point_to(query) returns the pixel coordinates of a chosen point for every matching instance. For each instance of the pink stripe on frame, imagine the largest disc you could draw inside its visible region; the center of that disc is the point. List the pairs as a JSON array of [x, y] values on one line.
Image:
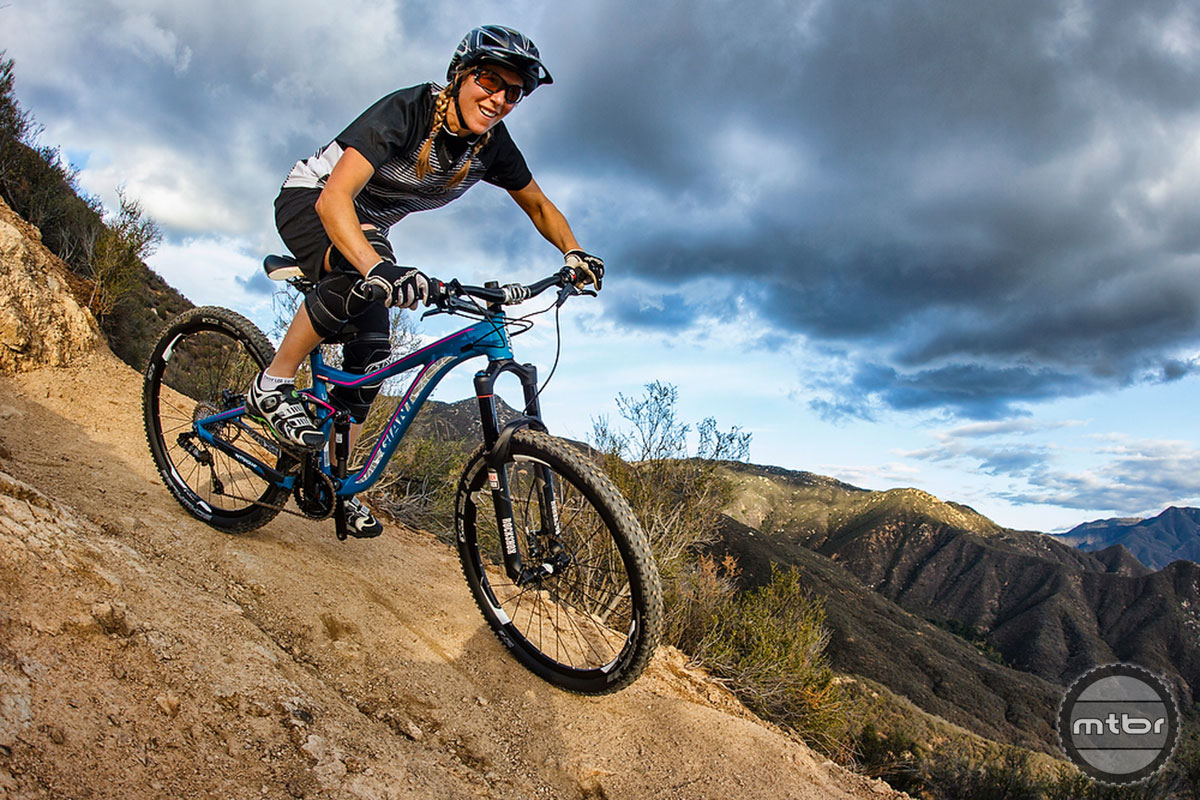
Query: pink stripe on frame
[[389, 366]]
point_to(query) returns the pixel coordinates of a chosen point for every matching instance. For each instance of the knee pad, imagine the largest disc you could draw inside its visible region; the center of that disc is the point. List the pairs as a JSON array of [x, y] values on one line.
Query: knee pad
[[334, 301], [365, 352]]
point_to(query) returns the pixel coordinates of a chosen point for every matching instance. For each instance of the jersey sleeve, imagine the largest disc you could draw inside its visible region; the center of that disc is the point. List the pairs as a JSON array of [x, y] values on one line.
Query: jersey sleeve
[[507, 168], [391, 127]]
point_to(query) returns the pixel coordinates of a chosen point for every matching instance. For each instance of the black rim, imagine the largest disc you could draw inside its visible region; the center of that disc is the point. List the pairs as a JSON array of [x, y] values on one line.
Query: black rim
[[584, 621], [201, 371]]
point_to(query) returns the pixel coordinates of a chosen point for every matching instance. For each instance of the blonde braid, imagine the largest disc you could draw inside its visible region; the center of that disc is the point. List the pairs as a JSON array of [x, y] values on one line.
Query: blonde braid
[[461, 175], [440, 107]]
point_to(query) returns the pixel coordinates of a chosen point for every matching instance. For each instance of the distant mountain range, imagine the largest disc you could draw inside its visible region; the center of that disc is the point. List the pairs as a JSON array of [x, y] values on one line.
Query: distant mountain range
[[1156, 542], [920, 592]]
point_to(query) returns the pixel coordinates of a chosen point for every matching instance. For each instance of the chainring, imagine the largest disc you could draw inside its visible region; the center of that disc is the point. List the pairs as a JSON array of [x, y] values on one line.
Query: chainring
[[318, 504]]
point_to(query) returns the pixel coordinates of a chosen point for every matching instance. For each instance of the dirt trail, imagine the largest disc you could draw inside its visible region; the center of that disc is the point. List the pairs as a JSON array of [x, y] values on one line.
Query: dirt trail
[[143, 654]]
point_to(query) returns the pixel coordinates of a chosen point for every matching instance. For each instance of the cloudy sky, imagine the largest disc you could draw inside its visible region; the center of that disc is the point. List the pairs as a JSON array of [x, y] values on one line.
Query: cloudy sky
[[948, 244]]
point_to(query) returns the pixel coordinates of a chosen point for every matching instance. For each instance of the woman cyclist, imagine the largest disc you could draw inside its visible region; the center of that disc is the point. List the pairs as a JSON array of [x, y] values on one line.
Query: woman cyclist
[[415, 149]]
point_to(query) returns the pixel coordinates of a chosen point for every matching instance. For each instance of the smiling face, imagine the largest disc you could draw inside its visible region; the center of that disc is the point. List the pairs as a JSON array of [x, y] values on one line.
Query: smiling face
[[480, 108]]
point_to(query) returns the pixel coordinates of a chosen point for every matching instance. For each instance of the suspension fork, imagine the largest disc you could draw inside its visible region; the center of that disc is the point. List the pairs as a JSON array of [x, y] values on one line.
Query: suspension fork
[[497, 441]]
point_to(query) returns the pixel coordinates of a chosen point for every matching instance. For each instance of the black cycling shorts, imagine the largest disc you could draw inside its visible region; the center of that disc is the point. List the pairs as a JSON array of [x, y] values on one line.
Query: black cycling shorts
[[337, 313]]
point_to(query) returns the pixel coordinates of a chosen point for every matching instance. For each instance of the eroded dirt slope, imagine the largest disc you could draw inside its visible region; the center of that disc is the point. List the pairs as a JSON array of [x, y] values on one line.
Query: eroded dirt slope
[[143, 654]]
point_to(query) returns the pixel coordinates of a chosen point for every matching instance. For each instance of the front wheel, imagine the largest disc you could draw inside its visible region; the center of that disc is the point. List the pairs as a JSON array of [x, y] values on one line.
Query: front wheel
[[586, 613], [201, 367]]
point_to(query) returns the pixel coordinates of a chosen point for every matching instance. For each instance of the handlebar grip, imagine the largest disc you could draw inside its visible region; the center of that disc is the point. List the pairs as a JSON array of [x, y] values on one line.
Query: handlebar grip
[[437, 290], [375, 292]]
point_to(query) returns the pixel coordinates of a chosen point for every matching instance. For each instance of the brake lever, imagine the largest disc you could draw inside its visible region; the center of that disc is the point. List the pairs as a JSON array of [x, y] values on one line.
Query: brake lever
[[569, 290]]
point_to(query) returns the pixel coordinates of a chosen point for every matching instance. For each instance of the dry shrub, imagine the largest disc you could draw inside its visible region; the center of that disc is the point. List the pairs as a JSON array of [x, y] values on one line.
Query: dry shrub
[[704, 593], [420, 482], [676, 498], [770, 650]]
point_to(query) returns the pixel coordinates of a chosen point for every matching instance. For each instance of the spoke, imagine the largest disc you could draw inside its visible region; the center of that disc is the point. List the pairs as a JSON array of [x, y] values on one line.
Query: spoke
[[204, 364], [581, 637], [567, 616], [184, 414]]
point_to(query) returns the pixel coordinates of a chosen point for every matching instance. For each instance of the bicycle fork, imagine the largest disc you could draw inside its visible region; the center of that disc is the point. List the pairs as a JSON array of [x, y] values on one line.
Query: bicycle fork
[[543, 545]]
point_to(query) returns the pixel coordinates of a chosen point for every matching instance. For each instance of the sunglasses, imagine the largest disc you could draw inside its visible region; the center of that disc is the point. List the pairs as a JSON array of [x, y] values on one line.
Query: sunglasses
[[492, 83]]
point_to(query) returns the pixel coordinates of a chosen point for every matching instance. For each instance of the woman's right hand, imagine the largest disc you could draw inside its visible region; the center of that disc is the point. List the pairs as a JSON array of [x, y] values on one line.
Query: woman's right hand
[[402, 287]]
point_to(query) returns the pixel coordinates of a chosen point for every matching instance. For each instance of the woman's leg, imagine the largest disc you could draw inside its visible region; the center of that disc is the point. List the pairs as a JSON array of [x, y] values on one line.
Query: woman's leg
[[300, 340]]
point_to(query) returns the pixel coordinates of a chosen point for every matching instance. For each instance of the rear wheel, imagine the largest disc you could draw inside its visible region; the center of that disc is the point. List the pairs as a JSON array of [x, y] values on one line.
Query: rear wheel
[[202, 366], [586, 613]]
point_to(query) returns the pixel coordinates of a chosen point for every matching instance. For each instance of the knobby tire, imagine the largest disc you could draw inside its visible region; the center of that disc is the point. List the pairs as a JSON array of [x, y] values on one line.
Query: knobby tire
[[592, 627], [202, 364]]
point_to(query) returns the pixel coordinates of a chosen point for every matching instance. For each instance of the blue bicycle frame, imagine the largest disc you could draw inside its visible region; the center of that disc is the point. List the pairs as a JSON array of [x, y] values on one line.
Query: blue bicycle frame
[[488, 338]]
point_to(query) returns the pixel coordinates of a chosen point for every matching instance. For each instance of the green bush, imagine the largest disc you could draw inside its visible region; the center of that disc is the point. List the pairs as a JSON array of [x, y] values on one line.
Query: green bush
[[894, 756], [955, 774], [1185, 765], [770, 650]]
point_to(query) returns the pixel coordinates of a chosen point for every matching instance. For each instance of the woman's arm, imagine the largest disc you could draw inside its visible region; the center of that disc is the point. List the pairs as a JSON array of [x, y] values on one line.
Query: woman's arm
[[545, 216], [335, 207]]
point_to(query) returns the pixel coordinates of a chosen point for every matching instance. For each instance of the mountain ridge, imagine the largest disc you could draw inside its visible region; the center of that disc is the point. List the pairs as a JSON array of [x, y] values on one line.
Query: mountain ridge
[[1048, 609], [1156, 541]]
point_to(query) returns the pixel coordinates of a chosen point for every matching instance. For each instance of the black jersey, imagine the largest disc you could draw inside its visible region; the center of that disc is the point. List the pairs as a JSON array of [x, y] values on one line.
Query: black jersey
[[389, 135]]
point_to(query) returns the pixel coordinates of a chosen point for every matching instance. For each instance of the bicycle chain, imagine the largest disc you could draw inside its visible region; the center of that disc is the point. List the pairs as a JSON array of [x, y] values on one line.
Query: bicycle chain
[[271, 506], [327, 486]]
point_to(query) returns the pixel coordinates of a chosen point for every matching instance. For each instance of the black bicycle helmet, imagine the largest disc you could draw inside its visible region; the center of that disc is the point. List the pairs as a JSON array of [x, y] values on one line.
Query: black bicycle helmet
[[504, 46]]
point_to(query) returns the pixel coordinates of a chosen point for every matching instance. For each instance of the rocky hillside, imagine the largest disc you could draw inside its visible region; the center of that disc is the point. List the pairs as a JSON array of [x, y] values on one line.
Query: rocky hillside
[[1156, 542], [40, 321], [143, 654]]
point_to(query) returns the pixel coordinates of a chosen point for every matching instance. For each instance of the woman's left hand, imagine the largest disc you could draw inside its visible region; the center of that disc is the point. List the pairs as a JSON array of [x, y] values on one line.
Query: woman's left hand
[[590, 269]]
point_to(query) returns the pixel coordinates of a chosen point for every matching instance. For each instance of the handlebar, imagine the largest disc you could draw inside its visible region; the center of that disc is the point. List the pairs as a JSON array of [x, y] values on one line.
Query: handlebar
[[448, 296]]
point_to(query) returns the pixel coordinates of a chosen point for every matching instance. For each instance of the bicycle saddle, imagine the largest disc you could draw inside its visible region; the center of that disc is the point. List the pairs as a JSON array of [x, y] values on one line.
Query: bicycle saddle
[[281, 268]]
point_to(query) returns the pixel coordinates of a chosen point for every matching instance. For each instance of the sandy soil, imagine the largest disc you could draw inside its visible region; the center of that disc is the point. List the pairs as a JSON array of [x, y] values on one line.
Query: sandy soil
[[144, 654]]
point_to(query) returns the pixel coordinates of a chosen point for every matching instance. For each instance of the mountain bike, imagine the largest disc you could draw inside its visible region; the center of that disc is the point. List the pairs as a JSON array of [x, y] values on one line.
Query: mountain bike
[[552, 552]]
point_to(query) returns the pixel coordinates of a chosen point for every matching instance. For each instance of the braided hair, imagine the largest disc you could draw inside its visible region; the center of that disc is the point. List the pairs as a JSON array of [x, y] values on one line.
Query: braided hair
[[441, 106]]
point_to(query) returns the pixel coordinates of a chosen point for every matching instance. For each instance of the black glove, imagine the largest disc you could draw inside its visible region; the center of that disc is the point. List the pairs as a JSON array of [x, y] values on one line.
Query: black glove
[[590, 269], [404, 287]]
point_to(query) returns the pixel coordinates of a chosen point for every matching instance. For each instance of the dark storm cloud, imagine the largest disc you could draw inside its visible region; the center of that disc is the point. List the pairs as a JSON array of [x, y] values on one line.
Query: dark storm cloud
[[971, 390], [983, 205], [668, 312], [992, 203]]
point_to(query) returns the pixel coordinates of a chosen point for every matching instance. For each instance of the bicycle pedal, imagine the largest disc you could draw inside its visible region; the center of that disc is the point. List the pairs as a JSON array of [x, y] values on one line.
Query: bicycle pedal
[[344, 529]]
